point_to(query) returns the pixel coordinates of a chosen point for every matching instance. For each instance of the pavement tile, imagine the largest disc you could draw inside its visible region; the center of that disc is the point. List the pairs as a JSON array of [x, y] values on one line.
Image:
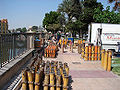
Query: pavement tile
[[87, 75]]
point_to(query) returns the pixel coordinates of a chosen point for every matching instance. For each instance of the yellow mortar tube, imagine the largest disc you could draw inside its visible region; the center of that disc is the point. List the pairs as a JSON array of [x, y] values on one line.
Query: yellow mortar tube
[[46, 82], [90, 51], [78, 42], [52, 81], [30, 80], [78, 48], [98, 52], [65, 82], [106, 60], [83, 41], [24, 80], [55, 69], [102, 57], [67, 70], [109, 60], [86, 53], [37, 80], [93, 53], [62, 48], [61, 70], [82, 53], [58, 82]]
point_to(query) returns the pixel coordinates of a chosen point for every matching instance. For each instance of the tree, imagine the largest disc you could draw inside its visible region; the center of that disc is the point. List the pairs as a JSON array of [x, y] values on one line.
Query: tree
[[82, 10], [88, 10], [18, 29], [34, 27], [70, 7], [106, 16], [117, 4], [65, 7], [52, 21], [23, 30]]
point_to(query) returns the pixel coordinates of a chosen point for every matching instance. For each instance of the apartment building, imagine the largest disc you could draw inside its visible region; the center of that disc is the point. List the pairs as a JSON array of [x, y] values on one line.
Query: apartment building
[[3, 26]]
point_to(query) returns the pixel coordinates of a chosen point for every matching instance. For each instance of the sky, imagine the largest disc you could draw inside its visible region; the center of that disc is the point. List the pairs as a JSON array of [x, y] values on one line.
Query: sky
[[25, 13]]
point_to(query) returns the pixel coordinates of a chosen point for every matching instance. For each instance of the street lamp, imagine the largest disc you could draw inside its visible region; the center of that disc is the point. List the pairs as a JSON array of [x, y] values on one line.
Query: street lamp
[[63, 28], [73, 20]]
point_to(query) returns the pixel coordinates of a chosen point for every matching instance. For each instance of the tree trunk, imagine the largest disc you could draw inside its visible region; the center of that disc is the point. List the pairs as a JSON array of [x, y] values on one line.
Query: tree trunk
[[80, 34]]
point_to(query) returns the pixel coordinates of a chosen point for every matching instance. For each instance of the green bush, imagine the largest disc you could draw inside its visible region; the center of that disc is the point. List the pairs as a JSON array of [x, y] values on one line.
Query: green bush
[[116, 70]]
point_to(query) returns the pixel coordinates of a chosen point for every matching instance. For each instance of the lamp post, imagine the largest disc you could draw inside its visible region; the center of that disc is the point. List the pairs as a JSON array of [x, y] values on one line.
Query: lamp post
[[63, 28], [73, 20], [99, 36]]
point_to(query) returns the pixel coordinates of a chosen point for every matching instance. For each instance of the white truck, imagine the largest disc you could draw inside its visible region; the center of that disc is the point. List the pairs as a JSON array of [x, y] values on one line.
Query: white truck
[[106, 35]]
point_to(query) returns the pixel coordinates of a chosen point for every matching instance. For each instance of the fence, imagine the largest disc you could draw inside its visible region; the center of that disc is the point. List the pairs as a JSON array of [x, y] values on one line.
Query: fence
[[15, 44], [11, 45], [94, 53]]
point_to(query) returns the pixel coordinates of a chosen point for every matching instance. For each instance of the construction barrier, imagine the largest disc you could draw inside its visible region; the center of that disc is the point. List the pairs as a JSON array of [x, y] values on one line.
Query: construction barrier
[[41, 75]]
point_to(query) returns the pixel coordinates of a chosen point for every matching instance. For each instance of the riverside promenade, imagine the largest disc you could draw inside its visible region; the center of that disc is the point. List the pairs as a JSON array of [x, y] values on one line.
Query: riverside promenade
[[87, 75]]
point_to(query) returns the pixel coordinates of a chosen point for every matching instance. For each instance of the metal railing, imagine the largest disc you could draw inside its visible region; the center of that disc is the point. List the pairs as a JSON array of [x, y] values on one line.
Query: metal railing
[[11, 46], [15, 44]]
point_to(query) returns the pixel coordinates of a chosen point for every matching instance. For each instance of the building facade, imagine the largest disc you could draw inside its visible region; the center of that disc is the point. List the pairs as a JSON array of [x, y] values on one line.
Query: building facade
[[3, 26]]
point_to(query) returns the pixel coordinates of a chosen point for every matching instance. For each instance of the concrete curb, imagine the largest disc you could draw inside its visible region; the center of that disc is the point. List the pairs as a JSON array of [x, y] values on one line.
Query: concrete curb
[[8, 71]]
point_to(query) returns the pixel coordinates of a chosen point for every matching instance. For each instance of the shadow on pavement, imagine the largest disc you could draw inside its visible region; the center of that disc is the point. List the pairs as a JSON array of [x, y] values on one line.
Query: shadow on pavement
[[70, 83]]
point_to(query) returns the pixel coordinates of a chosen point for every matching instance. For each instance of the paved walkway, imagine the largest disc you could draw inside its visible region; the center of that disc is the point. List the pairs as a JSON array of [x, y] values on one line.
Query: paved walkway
[[87, 75]]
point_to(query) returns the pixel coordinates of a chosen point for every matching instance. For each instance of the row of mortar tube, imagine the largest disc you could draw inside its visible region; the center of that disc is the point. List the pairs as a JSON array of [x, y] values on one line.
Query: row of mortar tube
[[31, 80], [55, 75], [91, 52], [80, 42], [64, 42], [50, 72], [50, 51], [32, 76], [106, 59]]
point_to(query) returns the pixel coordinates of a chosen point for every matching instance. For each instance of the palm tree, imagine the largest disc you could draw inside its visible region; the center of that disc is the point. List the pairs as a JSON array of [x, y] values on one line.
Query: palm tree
[[71, 7], [65, 7]]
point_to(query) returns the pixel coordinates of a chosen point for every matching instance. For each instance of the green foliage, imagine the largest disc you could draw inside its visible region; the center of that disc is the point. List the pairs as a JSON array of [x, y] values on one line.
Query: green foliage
[[116, 70], [106, 16], [65, 7], [34, 27], [72, 8], [53, 21], [18, 29], [83, 11], [23, 30], [116, 4], [88, 10], [51, 18]]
